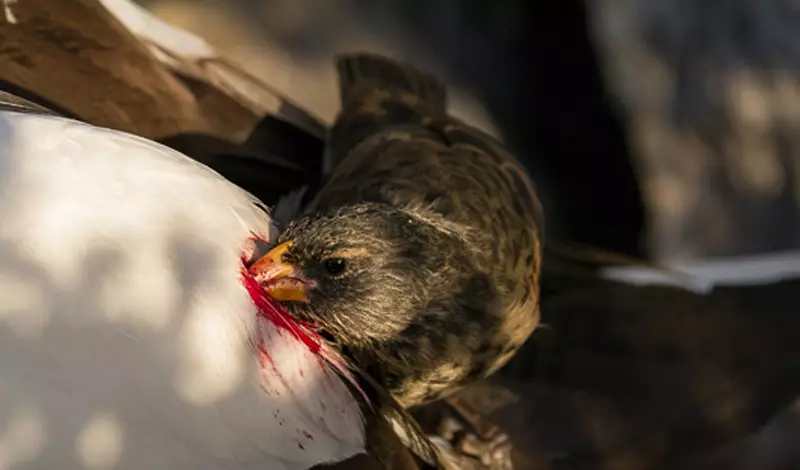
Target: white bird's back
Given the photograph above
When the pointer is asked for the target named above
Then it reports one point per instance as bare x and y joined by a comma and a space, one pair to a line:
127, 340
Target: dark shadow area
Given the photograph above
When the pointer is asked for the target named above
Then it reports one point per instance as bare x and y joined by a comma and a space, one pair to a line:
33, 99
277, 158
534, 67
651, 377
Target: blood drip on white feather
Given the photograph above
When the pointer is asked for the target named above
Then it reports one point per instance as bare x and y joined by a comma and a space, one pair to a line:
272, 311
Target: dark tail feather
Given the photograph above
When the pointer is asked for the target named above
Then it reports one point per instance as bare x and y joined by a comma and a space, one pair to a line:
363, 72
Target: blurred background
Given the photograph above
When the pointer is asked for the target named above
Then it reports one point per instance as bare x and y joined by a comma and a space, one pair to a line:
661, 129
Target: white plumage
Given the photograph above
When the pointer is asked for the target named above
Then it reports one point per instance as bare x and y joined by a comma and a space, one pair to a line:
126, 335
701, 276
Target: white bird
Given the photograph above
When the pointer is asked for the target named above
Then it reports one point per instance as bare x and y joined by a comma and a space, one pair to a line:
128, 339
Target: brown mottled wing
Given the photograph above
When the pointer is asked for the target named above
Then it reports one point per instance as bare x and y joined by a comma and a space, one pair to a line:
394, 142
516, 222
379, 94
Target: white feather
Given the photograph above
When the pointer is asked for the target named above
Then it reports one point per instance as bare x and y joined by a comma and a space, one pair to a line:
126, 336
8, 13
151, 29
702, 275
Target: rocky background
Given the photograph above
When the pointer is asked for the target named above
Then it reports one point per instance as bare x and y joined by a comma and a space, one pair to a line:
667, 129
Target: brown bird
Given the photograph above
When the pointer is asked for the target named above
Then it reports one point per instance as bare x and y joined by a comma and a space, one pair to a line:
421, 254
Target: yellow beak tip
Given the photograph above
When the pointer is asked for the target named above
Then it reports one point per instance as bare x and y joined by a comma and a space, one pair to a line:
279, 278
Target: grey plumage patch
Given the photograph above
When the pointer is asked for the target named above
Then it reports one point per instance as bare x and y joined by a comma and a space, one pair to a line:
288, 207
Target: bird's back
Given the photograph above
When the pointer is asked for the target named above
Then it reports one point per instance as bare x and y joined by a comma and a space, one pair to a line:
126, 335
394, 142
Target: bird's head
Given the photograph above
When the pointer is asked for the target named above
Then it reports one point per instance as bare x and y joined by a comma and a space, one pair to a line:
360, 272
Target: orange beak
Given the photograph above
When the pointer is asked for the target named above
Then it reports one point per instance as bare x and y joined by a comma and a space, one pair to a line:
281, 280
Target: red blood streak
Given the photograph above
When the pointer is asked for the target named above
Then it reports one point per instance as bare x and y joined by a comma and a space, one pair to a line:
307, 435
301, 446
272, 311
265, 360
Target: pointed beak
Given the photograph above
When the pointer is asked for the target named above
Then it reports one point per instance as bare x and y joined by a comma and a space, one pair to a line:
283, 281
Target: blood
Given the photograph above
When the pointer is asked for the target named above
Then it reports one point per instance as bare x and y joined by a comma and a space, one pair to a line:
271, 310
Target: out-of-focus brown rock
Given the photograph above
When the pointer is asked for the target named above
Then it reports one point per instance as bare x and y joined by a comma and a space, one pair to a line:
711, 96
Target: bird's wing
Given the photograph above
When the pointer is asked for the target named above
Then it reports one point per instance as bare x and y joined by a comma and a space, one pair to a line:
118, 66
403, 425
127, 339
191, 56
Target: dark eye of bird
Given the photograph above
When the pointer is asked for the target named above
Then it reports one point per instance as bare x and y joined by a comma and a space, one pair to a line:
334, 266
